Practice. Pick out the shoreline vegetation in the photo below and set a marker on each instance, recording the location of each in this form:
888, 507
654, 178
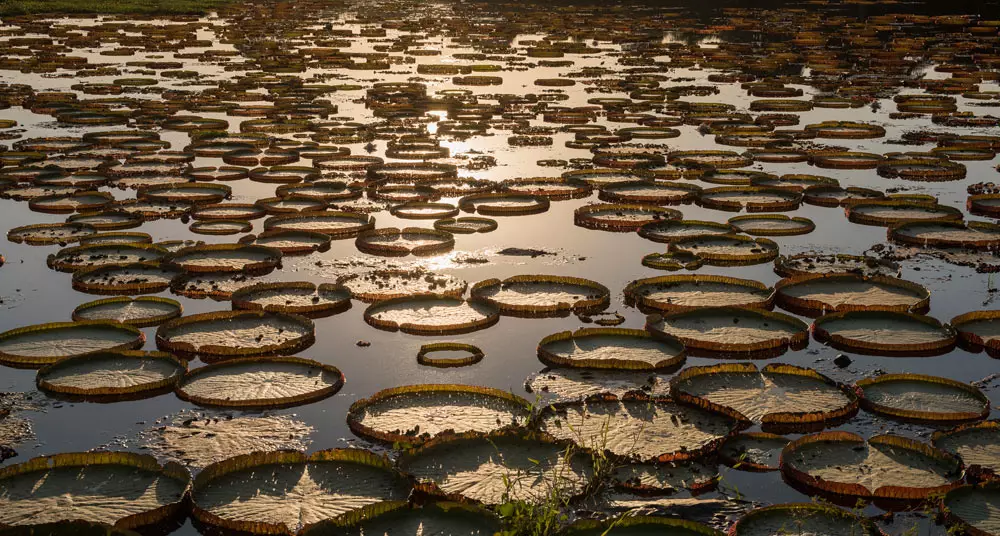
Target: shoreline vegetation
9, 8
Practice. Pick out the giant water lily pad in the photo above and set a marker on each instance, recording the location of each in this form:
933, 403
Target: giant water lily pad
76, 258
621, 218
974, 510
541, 295
803, 519
140, 312
922, 398
611, 348
884, 332
42, 344
728, 250
565, 384
393, 242
431, 315
778, 396
251, 259
504, 466
666, 478
667, 231
638, 426
976, 444
682, 292
814, 295
888, 468
290, 242
111, 375
236, 334
978, 330
42, 234
117, 488
415, 413
281, 492
134, 278
198, 441
637, 525
302, 298
381, 285
398, 517
732, 330
334, 224
972, 235
263, 382
821, 263
753, 451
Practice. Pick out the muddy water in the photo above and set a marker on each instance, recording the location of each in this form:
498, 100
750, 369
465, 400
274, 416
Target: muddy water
31, 293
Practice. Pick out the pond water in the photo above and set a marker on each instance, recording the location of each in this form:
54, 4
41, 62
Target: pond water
652, 56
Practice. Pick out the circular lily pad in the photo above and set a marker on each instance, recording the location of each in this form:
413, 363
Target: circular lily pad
107, 220
76, 258
884, 333
672, 261
610, 348
198, 440
552, 188
667, 231
140, 312
381, 285
814, 295
621, 218
640, 427
116, 237
466, 225
449, 354
922, 398
637, 525
399, 517
227, 334
221, 227
42, 344
780, 397
978, 330
109, 376
821, 263
393, 242
134, 278
186, 192
492, 468
661, 479
728, 250
290, 242
44, 234
415, 413
973, 509
730, 330
803, 519
750, 198
542, 295
229, 258
261, 382
123, 489
281, 492
682, 292
301, 298
332, 223
504, 204
424, 211
976, 444
893, 212
652, 193
772, 225
753, 451
228, 211
891, 469
971, 235
431, 314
